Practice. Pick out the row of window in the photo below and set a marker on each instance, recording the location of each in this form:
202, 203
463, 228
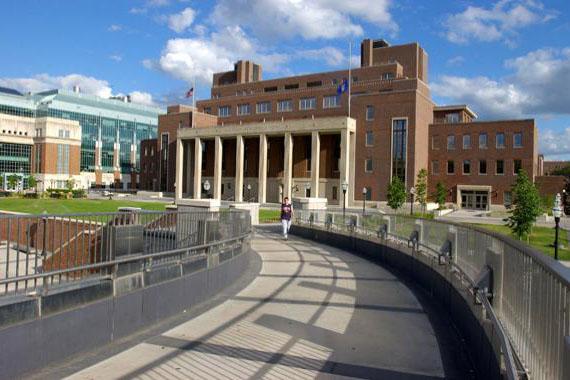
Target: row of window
483, 169
19, 133
500, 141
285, 105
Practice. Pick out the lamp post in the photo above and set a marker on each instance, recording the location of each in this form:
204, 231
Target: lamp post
344, 190
248, 187
207, 186
364, 191
412, 192
557, 213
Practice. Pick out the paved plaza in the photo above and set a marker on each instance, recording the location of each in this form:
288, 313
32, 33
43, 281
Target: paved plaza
313, 311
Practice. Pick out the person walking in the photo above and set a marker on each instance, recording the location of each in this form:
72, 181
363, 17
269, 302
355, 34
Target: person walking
286, 214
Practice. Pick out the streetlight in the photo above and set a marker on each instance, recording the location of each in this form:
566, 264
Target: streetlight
249, 192
207, 186
557, 213
412, 192
364, 191
344, 190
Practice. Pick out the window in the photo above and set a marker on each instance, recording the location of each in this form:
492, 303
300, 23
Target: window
466, 141
517, 140
60, 133
369, 138
370, 113
334, 193
285, 105
308, 152
482, 141
388, 76
435, 167
517, 166
332, 101
452, 118
208, 110
270, 89
482, 167
307, 104
451, 142
291, 86
315, 84
466, 166
500, 140
435, 142
399, 146
368, 165
450, 167
62, 159
500, 167
243, 109
67, 134
224, 111
263, 107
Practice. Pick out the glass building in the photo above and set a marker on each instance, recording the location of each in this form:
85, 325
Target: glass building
112, 124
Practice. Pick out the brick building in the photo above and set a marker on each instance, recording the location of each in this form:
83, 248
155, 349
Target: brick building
258, 139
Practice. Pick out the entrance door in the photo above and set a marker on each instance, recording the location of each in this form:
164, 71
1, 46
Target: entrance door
474, 200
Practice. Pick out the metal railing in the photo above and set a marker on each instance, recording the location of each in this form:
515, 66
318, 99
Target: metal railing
524, 293
38, 252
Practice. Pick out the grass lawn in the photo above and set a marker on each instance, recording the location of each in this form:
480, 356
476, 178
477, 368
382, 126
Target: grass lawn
542, 238
269, 215
72, 206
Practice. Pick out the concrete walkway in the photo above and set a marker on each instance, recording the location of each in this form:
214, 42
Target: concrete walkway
313, 311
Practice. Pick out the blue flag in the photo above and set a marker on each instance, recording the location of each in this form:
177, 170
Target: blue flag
343, 87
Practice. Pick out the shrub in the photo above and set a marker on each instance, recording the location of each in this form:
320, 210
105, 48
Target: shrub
78, 193
32, 195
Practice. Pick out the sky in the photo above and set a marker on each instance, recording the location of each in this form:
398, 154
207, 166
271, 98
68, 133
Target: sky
507, 59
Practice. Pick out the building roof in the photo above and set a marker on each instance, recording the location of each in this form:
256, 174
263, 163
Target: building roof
457, 107
10, 91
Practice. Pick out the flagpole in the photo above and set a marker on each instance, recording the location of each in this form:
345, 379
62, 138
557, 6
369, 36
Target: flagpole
193, 100
349, 73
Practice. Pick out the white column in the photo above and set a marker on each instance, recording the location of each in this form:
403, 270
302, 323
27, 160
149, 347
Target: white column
288, 166
239, 169
197, 168
315, 163
218, 168
179, 177
352, 168
262, 180
344, 164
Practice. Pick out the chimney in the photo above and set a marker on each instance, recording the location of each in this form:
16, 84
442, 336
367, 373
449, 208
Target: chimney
76, 89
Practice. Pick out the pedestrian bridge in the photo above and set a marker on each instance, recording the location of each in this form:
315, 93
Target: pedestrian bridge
335, 300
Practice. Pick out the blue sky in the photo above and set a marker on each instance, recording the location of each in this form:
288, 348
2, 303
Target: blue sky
506, 58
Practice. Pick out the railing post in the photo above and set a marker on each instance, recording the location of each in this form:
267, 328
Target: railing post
494, 259
452, 237
388, 224
419, 227
566, 358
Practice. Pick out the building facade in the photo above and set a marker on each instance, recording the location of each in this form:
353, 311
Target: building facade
304, 136
109, 135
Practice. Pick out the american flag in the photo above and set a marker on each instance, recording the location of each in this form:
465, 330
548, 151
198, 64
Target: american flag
190, 93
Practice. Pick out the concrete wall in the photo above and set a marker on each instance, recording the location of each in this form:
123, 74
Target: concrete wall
39, 342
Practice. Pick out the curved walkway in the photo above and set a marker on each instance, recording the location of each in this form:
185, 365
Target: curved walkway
313, 311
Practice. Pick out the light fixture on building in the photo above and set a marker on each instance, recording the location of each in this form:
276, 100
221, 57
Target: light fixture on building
557, 213
344, 186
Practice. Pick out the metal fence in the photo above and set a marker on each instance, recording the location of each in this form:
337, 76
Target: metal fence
525, 293
42, 251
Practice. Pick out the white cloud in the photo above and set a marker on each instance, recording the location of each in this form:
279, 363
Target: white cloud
497, 23
310, 19
149, 4
115, 28
554, 143
88, 85
181, 21
538, 85
142, 98
330, 55
455, 61
201, 57
116, 57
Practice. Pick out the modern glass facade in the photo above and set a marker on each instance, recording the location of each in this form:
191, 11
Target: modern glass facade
110, 121
399, 136
15, 158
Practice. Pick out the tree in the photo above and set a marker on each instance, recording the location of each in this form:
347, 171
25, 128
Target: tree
69, 184
421, 188
396, 193
526, 206
32, 182
13, 181
440, 195
565, 170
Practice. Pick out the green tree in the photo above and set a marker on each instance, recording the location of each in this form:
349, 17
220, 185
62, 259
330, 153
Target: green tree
32, 182
440, 195
396, 193
526, 206
13, 181
69, 184
421, 188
